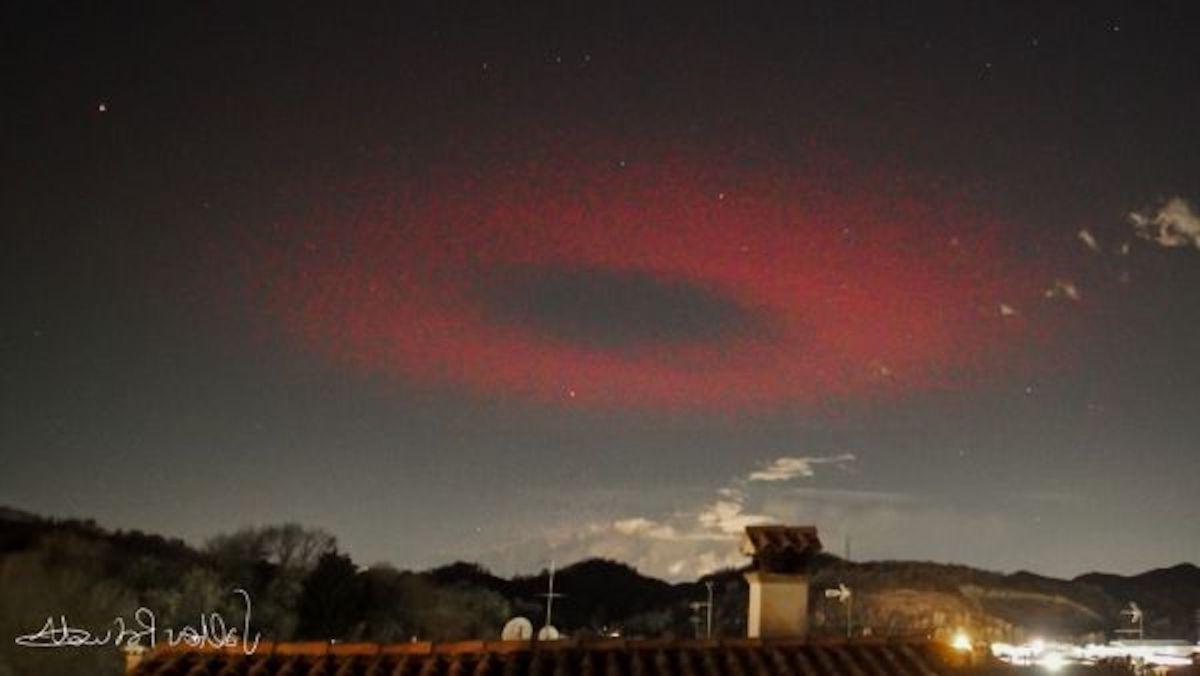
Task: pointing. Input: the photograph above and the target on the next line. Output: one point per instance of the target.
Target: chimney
(134, 652)
(779, 579)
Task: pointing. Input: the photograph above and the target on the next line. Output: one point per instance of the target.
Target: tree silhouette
(331, 600)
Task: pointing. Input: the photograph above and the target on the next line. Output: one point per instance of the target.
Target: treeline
(301, 587)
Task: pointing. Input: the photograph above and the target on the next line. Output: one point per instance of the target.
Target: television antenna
(517, 629)
(548, 632)
(844, 596)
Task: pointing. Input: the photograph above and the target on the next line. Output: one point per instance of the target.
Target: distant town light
(961, 641)
(1052, 661)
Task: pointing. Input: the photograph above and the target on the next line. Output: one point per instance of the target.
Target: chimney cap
(781, 549)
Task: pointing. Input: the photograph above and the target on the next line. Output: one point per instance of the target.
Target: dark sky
(518, 284)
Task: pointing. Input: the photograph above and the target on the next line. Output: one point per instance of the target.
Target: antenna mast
(550, 596)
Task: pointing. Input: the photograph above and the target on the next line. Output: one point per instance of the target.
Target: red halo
(869, 286)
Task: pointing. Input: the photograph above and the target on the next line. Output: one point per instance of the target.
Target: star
(102, 107)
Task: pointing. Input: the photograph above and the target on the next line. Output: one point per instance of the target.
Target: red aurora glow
(816, 289)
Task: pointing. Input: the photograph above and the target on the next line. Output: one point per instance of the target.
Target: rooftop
(607, 657)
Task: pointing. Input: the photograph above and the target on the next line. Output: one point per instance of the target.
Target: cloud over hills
(1175, 223)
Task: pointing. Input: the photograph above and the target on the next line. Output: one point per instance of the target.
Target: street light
(708, 615)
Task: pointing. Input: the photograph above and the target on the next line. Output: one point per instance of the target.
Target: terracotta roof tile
(739, 657)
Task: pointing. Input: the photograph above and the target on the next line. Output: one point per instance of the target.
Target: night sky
(513, 285)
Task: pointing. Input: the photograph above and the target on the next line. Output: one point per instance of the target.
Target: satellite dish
(548, 633)
(517, 629)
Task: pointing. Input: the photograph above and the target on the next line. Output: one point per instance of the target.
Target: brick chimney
(779, 579)
(134, 652)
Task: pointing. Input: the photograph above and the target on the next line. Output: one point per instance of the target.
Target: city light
(1053, 656)
(1052, 661)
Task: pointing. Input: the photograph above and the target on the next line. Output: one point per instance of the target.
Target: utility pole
(849, 615)
(708, 612)
(843, 595)
(708, 624)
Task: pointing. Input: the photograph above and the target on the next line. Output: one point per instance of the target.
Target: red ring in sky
(857, 287)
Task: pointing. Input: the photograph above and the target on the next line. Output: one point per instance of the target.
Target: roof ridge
(317, 648)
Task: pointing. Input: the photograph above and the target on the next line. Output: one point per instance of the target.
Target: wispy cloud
(695, 541)
(1089, 240)
(678, 546)
(1175, 223)
(728, 517)
(787, 468)
(841, 495)
(1064, 289)
(684, 540)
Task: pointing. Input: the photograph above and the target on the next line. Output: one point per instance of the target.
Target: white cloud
(651, 529)
(1173, 224)
(1089, 240)
(682, 544)
(690, 543)
(845, 496)
(787, 468)
(687, 544)
(729, 517)
(1062, 288)
(645, 527)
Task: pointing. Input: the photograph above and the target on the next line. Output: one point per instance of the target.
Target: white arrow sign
(842, 593)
